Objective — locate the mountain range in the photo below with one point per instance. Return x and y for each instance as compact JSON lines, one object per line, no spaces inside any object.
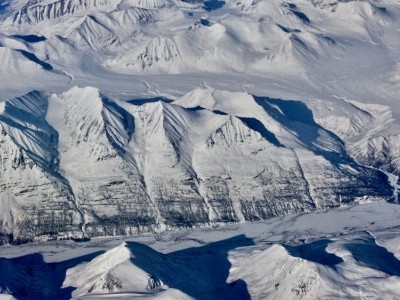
{"x":132,"y":116}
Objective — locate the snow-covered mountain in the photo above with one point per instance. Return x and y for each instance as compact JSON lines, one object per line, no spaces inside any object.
{"x":97,"y":166}
{"x":130,"y":116}
{"x":152,"y":36}
{"x":147,"y":118}
{"x":345,"y":252}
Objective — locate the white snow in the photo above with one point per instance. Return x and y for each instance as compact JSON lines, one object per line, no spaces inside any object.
{"x":348,"y":252}
{"x":169,"y":112}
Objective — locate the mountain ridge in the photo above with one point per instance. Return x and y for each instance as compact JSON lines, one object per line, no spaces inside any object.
{"x":104,"y":152}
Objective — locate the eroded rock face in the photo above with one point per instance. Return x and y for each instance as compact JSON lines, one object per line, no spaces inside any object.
{"x":36,"y":200}
{"x":79,"y":163}
{"x":371,"y":136}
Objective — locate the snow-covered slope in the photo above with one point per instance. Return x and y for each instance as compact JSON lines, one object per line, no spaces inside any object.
{"x":147,"y":165}
{"x":128,"y":117}
{"x":341,"y":253}
{"x":177,"y":36}
{"x":35,"y":199}
{"x":21,"y":68}
{"x":93,"y":134}
{"x":303,"y":115}
{"x":319,"y":269}
{"x":116,"y":272}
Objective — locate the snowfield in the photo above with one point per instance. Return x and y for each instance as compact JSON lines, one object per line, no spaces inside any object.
{"x":206,"y":149}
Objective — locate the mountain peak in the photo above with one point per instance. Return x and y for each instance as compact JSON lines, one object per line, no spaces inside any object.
{"x":233,"y":131}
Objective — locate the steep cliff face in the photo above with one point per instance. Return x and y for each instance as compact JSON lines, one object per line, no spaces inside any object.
{"x":80,"y":163}
{"x":36,"y":199}
{"x":370,"y":132}
{"x":93,"y":133}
